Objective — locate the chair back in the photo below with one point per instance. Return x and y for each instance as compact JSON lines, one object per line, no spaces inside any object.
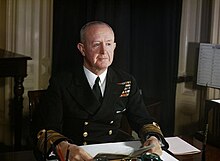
{"x":34,"y":99}
{"x":212,"y":118}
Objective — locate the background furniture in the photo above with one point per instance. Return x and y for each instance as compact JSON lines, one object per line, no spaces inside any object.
{"x":34,"y":98}
{"x":15,"y":65}
{"x":212,"y":117}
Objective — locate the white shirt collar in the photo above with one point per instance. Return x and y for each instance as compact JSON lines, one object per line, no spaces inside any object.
{"x":91,"y":77}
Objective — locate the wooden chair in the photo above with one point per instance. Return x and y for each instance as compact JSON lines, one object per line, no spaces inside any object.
{"x":34,"y":98}
{"x":212,"y":118}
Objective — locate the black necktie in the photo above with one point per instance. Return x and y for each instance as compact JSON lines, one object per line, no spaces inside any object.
{"x":97,"y":90}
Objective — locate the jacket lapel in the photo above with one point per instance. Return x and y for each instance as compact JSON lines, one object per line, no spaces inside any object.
{"x":112,"y":93}
{"x":82,"y":93}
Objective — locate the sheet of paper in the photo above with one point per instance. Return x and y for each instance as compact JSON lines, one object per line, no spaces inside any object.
{"x":205,"y":63}
{"x":167,"y":157}
{"x":125,"y":148}
{"x":208,"y":73}
{"x":216,"y":100}
{"x":180,"y":147}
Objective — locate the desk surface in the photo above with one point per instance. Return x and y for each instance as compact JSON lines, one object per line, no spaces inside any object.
{"x":13,"y":64}
{"x":212,"y":154}
{"x":4,"y":54}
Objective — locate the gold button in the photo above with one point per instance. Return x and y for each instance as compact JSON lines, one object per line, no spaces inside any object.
{"x":85,"y":134}
{"x":84,"y":143}
{"x":110,"y":132}
{"x":111,"y":122}
{"x":86,"y":123}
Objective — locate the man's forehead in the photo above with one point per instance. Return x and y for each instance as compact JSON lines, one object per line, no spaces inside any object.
{"x":100,"y":36}
{"x":99,"y":28}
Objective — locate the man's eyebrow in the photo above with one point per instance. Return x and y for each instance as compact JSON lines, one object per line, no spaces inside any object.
{"x":110,"y":40}
{"x":97,"y":41}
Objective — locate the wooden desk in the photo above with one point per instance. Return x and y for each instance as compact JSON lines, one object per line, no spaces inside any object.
{"x":15,"y":65}
{"x":212,"y":153}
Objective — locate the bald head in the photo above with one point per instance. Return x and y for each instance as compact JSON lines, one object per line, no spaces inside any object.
{"x":97,"y":46}
{"x":89,"y":25}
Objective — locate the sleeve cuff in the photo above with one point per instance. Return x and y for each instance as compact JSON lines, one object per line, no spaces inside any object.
{"x":52,"y":137}
{"x":153,"y":129}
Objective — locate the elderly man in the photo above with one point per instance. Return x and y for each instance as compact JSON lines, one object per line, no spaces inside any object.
{"x":86,"y":105}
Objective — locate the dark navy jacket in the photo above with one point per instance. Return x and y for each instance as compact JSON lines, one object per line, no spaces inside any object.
{"x":70,"y":107}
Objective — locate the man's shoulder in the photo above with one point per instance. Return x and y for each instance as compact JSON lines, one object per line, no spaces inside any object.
{"x":120,"y":73}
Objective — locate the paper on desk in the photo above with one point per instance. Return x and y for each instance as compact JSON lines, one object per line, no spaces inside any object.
{"x":216,"y":100}
{"x":180,"y":147}
{"x":120,"y":148}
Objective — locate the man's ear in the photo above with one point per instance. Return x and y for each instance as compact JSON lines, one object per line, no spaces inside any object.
{"x":80,"y":46}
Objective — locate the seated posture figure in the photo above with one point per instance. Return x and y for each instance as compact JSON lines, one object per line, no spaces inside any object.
{"x":77,"y":108}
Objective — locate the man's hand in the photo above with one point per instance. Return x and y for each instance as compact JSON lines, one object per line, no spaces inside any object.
{"x":76,"y":153}
{"x":157,"y":146}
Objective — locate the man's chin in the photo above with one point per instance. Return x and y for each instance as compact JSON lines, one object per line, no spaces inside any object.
{"x":103,"y":66}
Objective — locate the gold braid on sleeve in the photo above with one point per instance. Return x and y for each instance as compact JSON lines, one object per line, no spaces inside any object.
{"x":150,"y":129}
{"x":51,"y":136}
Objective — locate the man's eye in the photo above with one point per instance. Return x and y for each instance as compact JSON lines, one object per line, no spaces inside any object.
{"x":108,"y":44}
{"x":95,"y":45}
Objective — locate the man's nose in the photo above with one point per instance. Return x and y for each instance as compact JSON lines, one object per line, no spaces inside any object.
{"x":103,"y":48}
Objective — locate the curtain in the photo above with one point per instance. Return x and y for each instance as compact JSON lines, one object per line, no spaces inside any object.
{"x":147,"y":36}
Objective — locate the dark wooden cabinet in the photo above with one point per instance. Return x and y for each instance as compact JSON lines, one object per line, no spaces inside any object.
{"x":15,"y":65}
